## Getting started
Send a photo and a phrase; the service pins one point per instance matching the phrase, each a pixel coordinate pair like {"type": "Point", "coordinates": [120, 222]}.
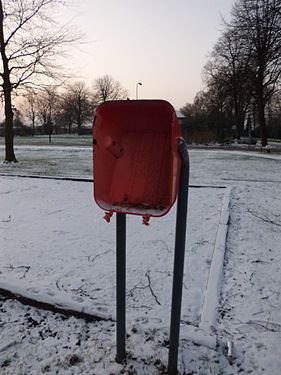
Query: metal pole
{"type": "Point", "coordinates": [137, 85]}
{"type": "Point", "coordinates": [179, 259]}
{"type": "Point", "coordinates": [121, 287]}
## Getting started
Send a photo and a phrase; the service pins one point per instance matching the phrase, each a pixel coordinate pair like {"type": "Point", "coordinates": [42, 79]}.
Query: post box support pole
{"type": "Point", "coordinates": [179, 259]}
{"type": "Point", "coordinates": [121, 287]}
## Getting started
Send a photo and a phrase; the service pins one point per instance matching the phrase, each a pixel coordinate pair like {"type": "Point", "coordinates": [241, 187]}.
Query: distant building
{"type": "Point", "coordinates": [181, 120]}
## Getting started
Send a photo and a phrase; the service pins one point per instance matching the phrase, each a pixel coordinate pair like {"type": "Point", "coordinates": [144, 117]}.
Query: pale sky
{"type": "Point", "coordinates": [163, 44]}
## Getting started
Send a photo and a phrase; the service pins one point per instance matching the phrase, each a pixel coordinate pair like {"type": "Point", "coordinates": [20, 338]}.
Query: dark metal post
{"type": "Point", "coordinates": [179, 259]}
{"type": "Point", "coordinates": [121, 286]}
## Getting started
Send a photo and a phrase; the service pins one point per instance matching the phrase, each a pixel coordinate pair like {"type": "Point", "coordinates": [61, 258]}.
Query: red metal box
{"type": "Point", "coordinates": [136, 161]}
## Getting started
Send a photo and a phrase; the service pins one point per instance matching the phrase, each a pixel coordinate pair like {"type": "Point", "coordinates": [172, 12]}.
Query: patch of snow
{"type": "Point", "coordinates": [54, 243]}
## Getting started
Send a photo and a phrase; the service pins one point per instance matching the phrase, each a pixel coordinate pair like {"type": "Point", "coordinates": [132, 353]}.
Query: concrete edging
{"type": "Point", "coordinates": [210, 306]}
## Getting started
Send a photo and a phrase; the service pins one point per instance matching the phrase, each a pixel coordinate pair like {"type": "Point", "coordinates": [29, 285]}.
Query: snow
{"type": "Point", "coordinates": [56, 247]}
{"type": "Point", "coordinates": [63, 223]}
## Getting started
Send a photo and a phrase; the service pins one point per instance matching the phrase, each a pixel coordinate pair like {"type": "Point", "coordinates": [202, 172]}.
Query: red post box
{"type": "Point", "coordinates": [136, 159]}
{"type": "Point", "coordinates": [140, 166]}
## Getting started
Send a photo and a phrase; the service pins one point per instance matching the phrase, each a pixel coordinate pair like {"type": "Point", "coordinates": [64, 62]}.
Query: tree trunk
{"type": "Point", "coordinates": [9, 130]}
{"type": "Point", "coordinates": [7, 88]}
{"type": "Point", "coordinates": [262, 124]}
{"type": "Point", "coordinates": [237, 120]}
{"type": "Point", "coordinates": [261, 115]}
{"type": "Point", "coordinates": [79, 128]}
{"type": "Point", "coordinates": [79, 122]}
{"type": "Point", "coordinates": [33, 125]}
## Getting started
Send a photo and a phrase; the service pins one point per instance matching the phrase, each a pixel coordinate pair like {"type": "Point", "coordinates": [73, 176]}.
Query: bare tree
{"type": "Point", "coordinates": [107, 88]}
{"type": "Point", "coordinates": [80, 104]}
{"type": "Point", "coordinates": [66, 112]}
{"type": "Point", "coordinates": [210, 111]}
{"type": "Point", "coordinates": [30, 108]}
{"type": "Point", "coordinates": [259, 26]}
{"type": "Point", "coordinates": [230, 65]}
{"type": "Point", "coordinates": [30, 41]}
{"type": "Point", "coordinates": [46, 107]}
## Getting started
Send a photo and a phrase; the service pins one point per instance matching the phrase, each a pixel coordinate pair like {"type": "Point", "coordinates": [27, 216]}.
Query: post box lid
{"type": "Point", "coordinates": [136, 161]}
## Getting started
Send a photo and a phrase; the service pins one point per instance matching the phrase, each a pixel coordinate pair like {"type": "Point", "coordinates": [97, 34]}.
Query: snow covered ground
{"type": "Point", "coordinates": [55, 247]}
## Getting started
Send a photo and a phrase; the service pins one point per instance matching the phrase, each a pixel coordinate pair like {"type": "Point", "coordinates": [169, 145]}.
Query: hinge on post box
{"type": "Point", "coordinates": [108, 216]}
{"type": "Point", "coordinates": [145, 219]}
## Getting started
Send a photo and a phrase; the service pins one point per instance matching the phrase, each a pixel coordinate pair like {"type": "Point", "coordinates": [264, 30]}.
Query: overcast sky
{"type": "Point", "coordinates": [163, 44]}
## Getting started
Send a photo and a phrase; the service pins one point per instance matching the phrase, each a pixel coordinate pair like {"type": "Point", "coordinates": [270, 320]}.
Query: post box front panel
{"type": "Point", "coordinates": [139, 176]}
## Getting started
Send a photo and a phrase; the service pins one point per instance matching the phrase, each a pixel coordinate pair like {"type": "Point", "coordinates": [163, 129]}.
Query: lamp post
{"type": "Point", "coordinates": [137, 85]}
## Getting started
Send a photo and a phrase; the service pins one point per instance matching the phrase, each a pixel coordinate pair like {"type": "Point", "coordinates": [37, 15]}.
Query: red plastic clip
{"type": "Point", "coordinates": [108, 216]}
{"type": "Point", "coordinates": [145, 219]}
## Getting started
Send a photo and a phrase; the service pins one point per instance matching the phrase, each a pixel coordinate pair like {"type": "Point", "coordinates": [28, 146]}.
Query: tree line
{"type": "Point", "coordinates": [242, 93]}
{"type": "Point", "coordinates": [242, 76]}
{"type": "Point", "coordinates": [52, 109]}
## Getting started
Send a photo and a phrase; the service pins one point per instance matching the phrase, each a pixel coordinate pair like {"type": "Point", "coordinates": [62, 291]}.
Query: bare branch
{"type": "Point", "coordinates": [264, 218]}
{"type": "Point", "coordinates": [150, 288]}
{"type": "Point", "coordinates": [25, 19]}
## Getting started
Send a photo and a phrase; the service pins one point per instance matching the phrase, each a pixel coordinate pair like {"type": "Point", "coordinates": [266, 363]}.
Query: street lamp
{"type": "Point", "coordinates": [137, 85]}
